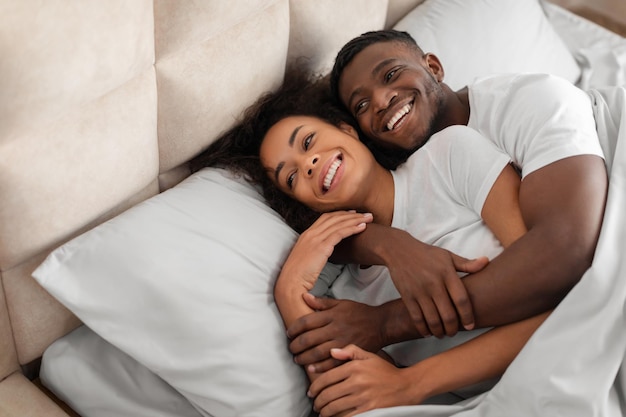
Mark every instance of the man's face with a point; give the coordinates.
(394, 92)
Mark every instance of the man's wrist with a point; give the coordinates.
(397, 325)
(386, 249)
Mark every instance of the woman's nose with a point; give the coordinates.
(311, 165)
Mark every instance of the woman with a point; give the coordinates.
(309, 153)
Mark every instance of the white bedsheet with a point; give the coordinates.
(574, 364)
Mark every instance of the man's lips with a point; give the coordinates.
(398, 117)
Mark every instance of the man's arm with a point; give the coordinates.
(563, 206)
(418, 271)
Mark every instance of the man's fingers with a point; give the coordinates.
(469, 266)
(431, 316)
(318, 303)
(323, 366)
(440, 312)
(320, 353)
(415, 311)
(447, 314)
(306, 323)
(460, 298)
(349, 353)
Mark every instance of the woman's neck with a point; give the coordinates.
(381, 196)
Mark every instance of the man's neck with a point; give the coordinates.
(456, 109)
(464, 105)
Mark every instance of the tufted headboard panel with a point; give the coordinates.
(102, 105)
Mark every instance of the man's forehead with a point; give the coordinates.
(373, 58)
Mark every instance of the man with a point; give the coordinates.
(397, 95)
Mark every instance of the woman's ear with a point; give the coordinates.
(434, 66)
(346, 127)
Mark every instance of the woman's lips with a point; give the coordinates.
(330, 175)
(330, 169)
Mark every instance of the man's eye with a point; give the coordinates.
(360, 107)
(390, 75)
(290, 179)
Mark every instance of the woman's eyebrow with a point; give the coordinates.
(292, 139)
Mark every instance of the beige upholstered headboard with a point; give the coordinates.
(102, 104)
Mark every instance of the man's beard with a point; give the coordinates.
(433, 90)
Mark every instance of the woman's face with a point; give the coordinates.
(323, 166)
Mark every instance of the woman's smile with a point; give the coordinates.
(321, 165)
(334, 170)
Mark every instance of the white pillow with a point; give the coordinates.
(474, 38)
(183, 283)
(97, 379)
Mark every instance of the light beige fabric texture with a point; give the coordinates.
(102, 105)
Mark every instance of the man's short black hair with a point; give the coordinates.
(356, 45)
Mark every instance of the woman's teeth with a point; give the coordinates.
(330, 175)
(399, 115)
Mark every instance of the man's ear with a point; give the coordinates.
(434, 66)
(346, 127)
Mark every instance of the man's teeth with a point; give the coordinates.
(404, 110)
(331, 174)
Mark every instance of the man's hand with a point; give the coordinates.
(336, 324)
(424, 275)
(427, 280)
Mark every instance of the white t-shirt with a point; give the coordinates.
(536, 119)
(439, 195)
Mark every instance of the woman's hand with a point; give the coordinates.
(307, 258)
(316, 244)
(365, 382)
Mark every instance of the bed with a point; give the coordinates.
(130, 287)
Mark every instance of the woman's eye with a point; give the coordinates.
(290, 179)
(307, 142)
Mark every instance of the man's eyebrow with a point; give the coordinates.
(292, 139)
(382, 64)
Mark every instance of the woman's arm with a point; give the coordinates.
(307, 259)
(366, 382)
(501, 210)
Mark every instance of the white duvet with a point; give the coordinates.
(573, 365)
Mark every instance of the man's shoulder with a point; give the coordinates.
(514, 82)
(518, 94)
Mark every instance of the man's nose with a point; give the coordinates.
(382, 98)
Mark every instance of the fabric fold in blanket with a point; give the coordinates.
(574, 364)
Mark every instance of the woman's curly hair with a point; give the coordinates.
(301, 94)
